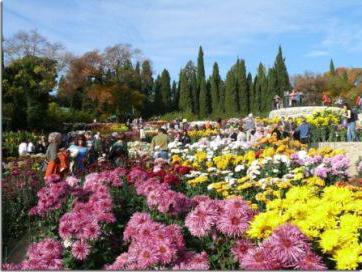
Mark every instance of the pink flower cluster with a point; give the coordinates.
(51, 196)
(230, 217)
(190, 260)
(44, 255)
(153, 244)
(110, 177)
(286, 248)
(92, 207)
(336, 166)
(158, 193)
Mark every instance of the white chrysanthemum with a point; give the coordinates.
(239, 167)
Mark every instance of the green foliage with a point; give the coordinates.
(283, 83)
(215, 86)
(165, 90)
(26, 87)
(231, 94)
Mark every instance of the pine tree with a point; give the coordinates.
(215, 81)
(249, 81)
(332, 70)
(165, 90)
(283, 83)
(231, 98)
(185, 100)
(242, 87)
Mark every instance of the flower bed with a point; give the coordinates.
(218, 205)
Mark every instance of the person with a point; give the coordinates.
(30, 148)
(51, 154)
(249, 126)
(326, 100)
(339, 102)
(293, 98)
(299, 95)
(185, 138)
(159, 144)
(350, 118)
(233, 134)
(78, 151)
(303, 131)
(241, 137)
(276, 102)
(98, 144)
(219, 123)
(40, 148)
(118, 153)
(23, 148)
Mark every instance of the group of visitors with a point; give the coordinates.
(72, 152)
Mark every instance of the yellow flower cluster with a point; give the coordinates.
(221, 188)
(331, 217)
(199, 180)
(202, 133)
(325, 152)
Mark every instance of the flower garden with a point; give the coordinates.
(217, 204)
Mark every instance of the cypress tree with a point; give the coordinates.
(255, 95)
(283, 83)
(203, 100)
(185, 99)
(165, 90)
(242, 87)
(157, 101)
(271, 89)
(146, 78)
(201, 85)
(173, 96)
(332, 70)
(231, 98)
(249, 97)
(215, 82)
(191, 77)
(222, 97)
(260, 89)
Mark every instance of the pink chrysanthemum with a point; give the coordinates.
(232, 224)
(240, 248)
(310, 262)
(288, 245)
(200, 221)
(193, 261)
(80, 250)
(258, 259)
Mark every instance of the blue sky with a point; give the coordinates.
(169, 32)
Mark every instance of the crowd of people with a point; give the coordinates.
(71, 152)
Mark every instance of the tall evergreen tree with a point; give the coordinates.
(165, 87)
(185, 100)
(215, 82)
(242, 86)
(260, 89)
(222, 97)
(146, 78)
(174, 96)
(332, 70)
(157, 101)
(283, 83)
(231, 93)
(271, 89)
(203, 99)
(201, 85)
(249, 97)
